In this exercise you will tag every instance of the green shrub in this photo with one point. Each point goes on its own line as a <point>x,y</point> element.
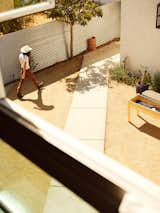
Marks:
<point>11,25</point>
<point>156,82</point>
<point>147,79</point>
<point>121,74</point>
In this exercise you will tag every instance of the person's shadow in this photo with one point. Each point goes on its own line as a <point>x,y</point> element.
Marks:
<point>39,102</point>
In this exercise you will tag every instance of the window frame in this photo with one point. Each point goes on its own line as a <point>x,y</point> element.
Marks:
<point>82,169</point>
<point>26,10</point>
<point>158,16</point>
<point>72,173</point>
<point>2,89</point>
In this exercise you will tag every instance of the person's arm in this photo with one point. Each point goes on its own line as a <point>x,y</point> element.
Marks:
<point>24,71</point>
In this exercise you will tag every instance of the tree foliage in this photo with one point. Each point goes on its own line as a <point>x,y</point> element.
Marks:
<point>76,11</point>
<point>11,25</point>
<point>156,82</point>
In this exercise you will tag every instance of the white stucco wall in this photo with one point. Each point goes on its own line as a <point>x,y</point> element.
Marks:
<point>50,41</point>
<point>104,29</point>
<point>140,40</point>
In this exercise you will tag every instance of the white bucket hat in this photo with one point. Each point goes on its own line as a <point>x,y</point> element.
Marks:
<point>26,49</point>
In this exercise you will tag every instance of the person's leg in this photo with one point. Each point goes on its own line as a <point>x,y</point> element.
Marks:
<point>19,87</point>
<point>33,78</point>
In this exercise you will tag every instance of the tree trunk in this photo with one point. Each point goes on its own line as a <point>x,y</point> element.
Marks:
<point>71,40</point>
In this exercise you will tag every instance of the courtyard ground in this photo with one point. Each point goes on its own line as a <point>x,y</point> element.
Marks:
<point>52,102</point>
<point>135,146</point>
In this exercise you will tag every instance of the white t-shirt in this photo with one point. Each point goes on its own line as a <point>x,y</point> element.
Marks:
<point>24,59</point>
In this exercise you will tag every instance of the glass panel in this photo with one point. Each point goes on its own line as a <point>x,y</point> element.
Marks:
<point>26,188</point>
<point>6,5</point>
<point>11,9</point>
<point>12,4</point>
<point>21,3</point>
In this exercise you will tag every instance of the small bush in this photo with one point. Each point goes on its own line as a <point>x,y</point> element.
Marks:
<point>121,74</point>
<point>11,25</point>
<point>147,79</point>
<point>156,82</point>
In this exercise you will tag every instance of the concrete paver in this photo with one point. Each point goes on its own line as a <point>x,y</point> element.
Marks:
<point>87,116</point>
<point>90,99</point>
<point>86,123</point>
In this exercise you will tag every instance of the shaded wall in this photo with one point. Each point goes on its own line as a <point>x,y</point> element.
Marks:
<point>50,41</point>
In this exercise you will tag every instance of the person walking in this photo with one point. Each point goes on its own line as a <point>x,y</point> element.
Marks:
<point>24,60</point>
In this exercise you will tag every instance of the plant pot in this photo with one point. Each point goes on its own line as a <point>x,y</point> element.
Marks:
<point>141,88</point>
<point>91,44</point>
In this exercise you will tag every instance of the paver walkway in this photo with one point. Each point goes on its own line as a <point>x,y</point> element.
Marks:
<point>87,116</point>
<point>86,121</point>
